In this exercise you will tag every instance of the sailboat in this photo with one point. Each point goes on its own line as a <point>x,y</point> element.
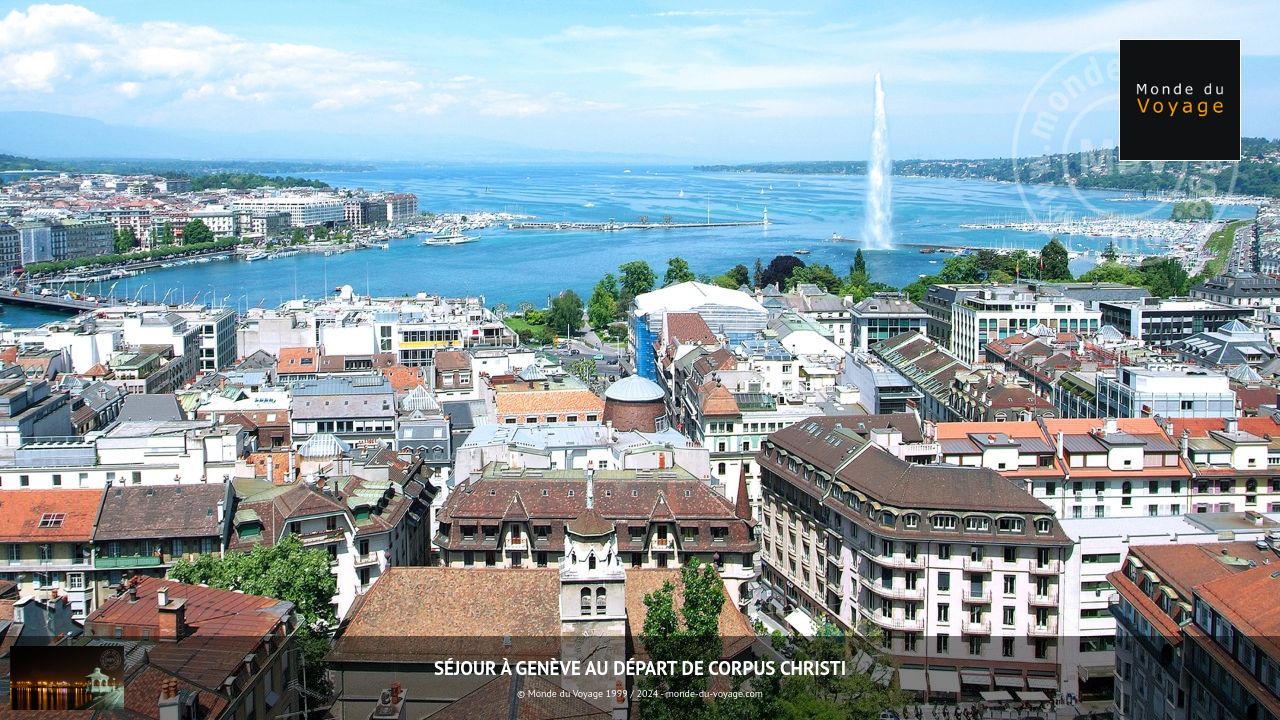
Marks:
<point>681,192</point>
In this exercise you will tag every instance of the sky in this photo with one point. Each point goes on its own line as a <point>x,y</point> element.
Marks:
<point>690,80</point>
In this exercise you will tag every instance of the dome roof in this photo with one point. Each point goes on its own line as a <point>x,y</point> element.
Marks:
<point>634,388</point>
<point>323,445</point>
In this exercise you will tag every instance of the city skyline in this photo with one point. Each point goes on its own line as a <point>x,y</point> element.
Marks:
<point>664,82</point>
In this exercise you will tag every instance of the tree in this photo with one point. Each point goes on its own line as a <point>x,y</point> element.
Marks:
<point>859,262</point>
<point>523,308</point>
<point>196,232</point>
<point>286,571</point>
<point>501,310</point>
<point>565,313</point>
<point>321,232</point>
<point>166,235</point>
<point>779,271</point>
<point>757,274</point>
<point>677,272</point>
<point>297,236</point>
<point>864,692</point>
<point>1165,277</point>
<point>1110,254</point>
<point>584,368</point>
<point>125,241</point>
<point>1054,261</point>
<point>1113,272</point>
<point>821,275</point>
<point>602,308</point>
<point>739,275</point>
<point>666,639</point>
<point>637,279</point>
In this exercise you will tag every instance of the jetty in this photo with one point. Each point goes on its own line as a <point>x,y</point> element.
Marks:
<point>53,302</point>
<point>614,226</point>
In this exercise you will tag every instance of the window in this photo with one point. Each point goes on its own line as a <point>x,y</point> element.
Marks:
<point>57,480</point>
<point>24,481</point>
<point>52,520</point>
<point>944,613</point>
<point>1043,526</point>
<point>1006,646</point>
<point>585,602</point>
<point>490,558</point>
<point>944,551</point>
<point>1008,617</point>
<point>1010,554</point>
<point>601,603</point>
<point>944,581</point>
<point>941,644</point>
<point>1011,525</point>
<point>1010,584</point>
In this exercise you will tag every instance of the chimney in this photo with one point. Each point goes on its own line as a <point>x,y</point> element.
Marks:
<point>1185,443</point>
<point>162,595</point>
<point>1059,445</point>
<point>222,510</point>
<point>591,486</point>
<point>133,594</point>
<point>173,620</point>
<point>1110,426</point>
<point>391,704</point>
<point>170,704</point>
<point>1232,424</point>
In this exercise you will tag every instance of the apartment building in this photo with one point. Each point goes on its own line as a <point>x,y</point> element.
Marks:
<point>958,568</point>
<point>1255,291</point>
<point>1163,321</point>
<point>304,210</point>
<point>30,410</point>
<point>10,248</point>
<point>48,543</point>
<point>815,304</point>
<point>882,316</point>
<point>997,312</point>
<point>517,517</point>
<point>1195,629</point>
<point>401,207</point>
<point>930,368</point>
<point>352,408</point>
<point>1235,463</point>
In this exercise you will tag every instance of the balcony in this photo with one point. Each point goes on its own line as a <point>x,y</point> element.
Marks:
<point>982,627</point>
<point>977,596</point>
<point>897,623</point>
<point>323,537</point>
<point>368,559</point>
<point>128,561</point>
<point>972,565</point>
<point>1048,628</point>
<point>50,564</point>
<point>663,544</point>
<point>517,543</point>
<point>1052,567</point>
<point>895,593</point>
<point>893,561</point>
<point>1043,600</point>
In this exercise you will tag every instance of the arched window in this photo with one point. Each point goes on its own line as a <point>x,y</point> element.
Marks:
<point>591,561</point>
<point>586,601</point>
<point>1126,488</point>
<point>600,601</point>
<point>1251,485</point>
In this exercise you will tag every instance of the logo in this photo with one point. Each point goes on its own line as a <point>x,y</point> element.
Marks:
<point>1180,100</point>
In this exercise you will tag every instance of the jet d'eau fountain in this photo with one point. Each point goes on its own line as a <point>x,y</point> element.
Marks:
<point>877,232</point>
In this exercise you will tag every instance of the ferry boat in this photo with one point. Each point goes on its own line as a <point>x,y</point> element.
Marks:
<point>802,252</point>
<point>836,237</point>
<point>452,238</point>
<point>255,255</point>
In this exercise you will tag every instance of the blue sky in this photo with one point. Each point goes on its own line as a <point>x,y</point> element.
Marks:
<point>688,80</point>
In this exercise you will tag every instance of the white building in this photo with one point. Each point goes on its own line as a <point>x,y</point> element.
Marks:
<point>997,312</point>
<point>1164,390</point>
<point>304,210</point>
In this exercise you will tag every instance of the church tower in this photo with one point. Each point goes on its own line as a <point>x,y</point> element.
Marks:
<point>593,603</point>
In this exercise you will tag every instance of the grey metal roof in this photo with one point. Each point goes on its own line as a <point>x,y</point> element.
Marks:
<point>150,408</point>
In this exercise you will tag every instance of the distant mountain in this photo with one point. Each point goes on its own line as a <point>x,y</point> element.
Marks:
<point>54,136</point>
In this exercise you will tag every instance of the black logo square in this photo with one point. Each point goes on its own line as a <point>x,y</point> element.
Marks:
<point>1179,99</point>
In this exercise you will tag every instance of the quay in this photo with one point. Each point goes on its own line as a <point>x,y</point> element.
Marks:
<point>612,226</point>
<point>52,302</point>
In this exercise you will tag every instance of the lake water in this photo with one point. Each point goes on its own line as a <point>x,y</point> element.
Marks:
<point>515,265</point>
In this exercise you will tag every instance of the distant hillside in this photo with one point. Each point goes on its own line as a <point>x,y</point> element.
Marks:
<point>15,162</point>
<point>1259,170</point>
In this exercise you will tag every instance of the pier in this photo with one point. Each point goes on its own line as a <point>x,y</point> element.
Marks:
<point>51,302</point>
<point>612,226</point>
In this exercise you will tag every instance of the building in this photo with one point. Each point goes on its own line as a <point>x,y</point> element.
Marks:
<point>1195,629</point>
<point>830,311</point>
<point>201,652</point>
<point>724,311</point>
<point>10,248</point>
<point>958,568</point>
<point>30,410</point>
<point>1164,390</point>
<point>517,517</point>
<point>635,403</point>
<point>352,408</point>
<point>65,239</point>
<point>133,216</point>
<point>401,207</point>
<point>451,374</point>
<point>304,210</point>
<point>996,312</point>
<point>531,397</point>
<point>1229,346</point>
<point>882,316</point>
<point>264,223</point>
<point>880,388</point>
<point>1164,321</point>
<point>929,367</point>
<point>1260,293</point>
<point>48,540</point>
<point>1235,463</point>
<point>222,222</point>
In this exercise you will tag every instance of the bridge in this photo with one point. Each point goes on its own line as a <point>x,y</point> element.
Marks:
<point>52,302</point>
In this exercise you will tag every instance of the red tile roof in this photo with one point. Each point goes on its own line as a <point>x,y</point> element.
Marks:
<point>298,360</point>
<point>1200,427</point>
<point>452,360</point>
<point>402,378</point>
<point>684,328</point>
<point>61,514</point>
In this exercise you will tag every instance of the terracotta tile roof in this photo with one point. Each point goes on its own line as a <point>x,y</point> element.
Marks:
<point>688,328</point>
<point>717,400</point>
<point>143,689</point>
<point>164,511</point>
<point>549,402</point>
<point>1183,566</point>
<point>98,371</point>
<point>736,633</point>
<point>1200,427</point>
<point>402,378</point>
<point>66,515</point>
<point>955,430</point>
<point>452,360</point>
<point>1248,601</point>
<point>588,523</point>
<point>298,360</point>
<point>279,466</point>
<point>9,354</point>
<point>1082,426</point>
<point>540,699</point>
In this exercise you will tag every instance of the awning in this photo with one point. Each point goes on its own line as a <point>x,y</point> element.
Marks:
<point>1014,681</point>
<point>911,679</point>
<point>801,623</point>
<point>944,681</point>
<point>996,696</point>
<point>976,677</point>
<point>1044,683</point>
<point>1033,696</point>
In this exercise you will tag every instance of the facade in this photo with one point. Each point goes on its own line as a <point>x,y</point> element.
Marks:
<point>829,311</point>
<point>65,239</point>
<point>352,408</point>
<point>1260,293</point>
<point>10,248</point>
<point>1164,321</point>
<point>958,568</point>
<point>401,207</point>
<point>304,210</point>
<point>1195,629</point>
<point>1164,390</point>
<point>48,540</point>
<point>1235,463</point>
<point>518,517</point>
<point>30,410</point>
<point>222,222</point>
<point>997,312</point>
<point>882,316</point>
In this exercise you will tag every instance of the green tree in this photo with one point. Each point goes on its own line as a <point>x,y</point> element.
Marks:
<point>757,274</point>
<point>739,275</point>
<point>286,571</point>
<point>1165,277</point>
<point>125,241</point>
<point>779,271</point>
<point>859,262</point>
<point>1111,254</point>
<point>602,308</point>
<point>501,310</point>
<point>584,368</point>
<point>861,694</point>
<point>677,272</point>
<point>637,278</point>
<point>297,236</point>
<point>321,232</point>
<point>1054,261</point>
<point>821,275</point>
<point>667,639</point>
<point>565,313</point>
<point>196,232</point>
<point>166,235</point>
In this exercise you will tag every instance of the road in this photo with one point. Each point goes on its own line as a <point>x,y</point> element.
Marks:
<point>608,366</point>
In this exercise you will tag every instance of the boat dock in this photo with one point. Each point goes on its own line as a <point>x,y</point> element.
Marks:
<point>612,226</point>
<point>51,302</point>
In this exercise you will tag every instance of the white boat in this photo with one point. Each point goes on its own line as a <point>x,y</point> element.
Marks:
<point>836,237</point>
<point>589,205</point>
<point>802,252</point>
<point>255,255</point>
<point>452,238</point>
